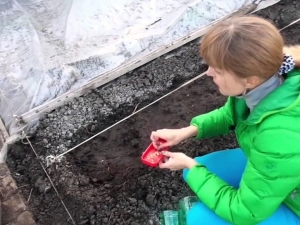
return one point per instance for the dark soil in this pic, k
(104, 181)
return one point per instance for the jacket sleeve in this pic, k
(214, 123)
(271, 174)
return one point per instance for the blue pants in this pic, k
(229, 165)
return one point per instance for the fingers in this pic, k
(154, 138)
(169, 164)
(168, 154)
(163, 145)
(166, 164)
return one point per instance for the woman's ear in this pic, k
(252, 82)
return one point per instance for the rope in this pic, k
(292, 23)
(28, 142)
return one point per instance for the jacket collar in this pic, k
(253, 97)
(284, 97)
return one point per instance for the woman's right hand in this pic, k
(172, 136)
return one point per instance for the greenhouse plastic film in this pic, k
(49, 47)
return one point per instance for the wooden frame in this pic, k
(3, 141)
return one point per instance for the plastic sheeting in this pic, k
(48, 47)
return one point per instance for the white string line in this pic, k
(50, 179)
(292, 23)
(188, 82)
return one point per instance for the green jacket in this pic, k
(270, 138)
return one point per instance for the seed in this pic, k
(153, 155)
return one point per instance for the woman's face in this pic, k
(228, 84)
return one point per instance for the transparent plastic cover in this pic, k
(49, 47)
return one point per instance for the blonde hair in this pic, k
(246, 46)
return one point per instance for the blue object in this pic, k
(229, 165)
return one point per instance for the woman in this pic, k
(259, 183)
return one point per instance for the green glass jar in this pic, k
(169, 217)
(185, 205)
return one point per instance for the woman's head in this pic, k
(242, 52)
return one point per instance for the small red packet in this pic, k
(151, 156)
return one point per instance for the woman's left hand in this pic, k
(176, 161)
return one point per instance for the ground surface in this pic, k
(13, 210)
(103, 181)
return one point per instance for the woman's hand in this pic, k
(172, 136)
(176, 161)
